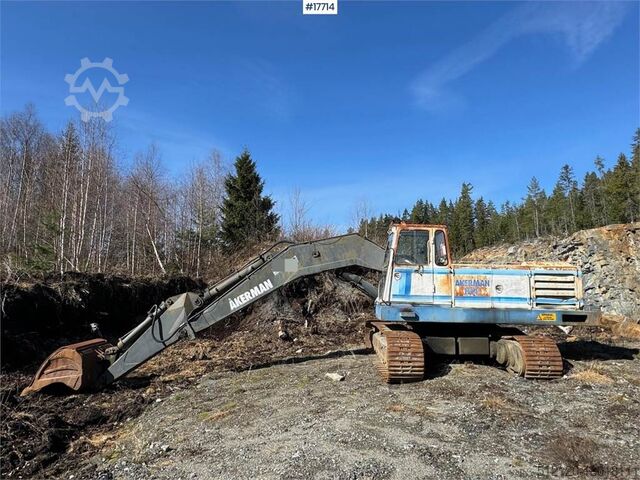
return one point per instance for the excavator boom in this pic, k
(96, 363)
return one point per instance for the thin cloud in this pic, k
(266, 88)
(582, 26)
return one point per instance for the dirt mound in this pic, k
(40, 315)
(308, 317)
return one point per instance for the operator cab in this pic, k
(417, 265)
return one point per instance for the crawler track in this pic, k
(531, 357)
(399, 352)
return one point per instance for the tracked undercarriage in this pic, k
(402, 350)
(399, 352)
(530, 356)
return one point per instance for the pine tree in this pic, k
(508, 228)
(493, 226)
(443, 213)
(533, 203)
(419, 213)
(462, 228)
(618, 191)
(592, 198)
(557, 207)
(569, 186)
(422, 212)
(599, 163)
(247, 215)
(481, 234)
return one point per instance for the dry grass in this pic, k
(593, 374)
(215, 415)
(495, 403)
(97, 440)
(419, 410)
(504, 407)
(396, 407)
(583, 454)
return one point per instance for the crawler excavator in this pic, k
(425, 306)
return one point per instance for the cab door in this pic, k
(412, 279)
(442, 271)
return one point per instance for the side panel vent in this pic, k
(554, 290)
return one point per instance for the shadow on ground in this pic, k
(592, 350)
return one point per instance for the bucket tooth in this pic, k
(76, 366)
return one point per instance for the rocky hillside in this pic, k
(608, 256)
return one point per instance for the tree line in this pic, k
(603, 196)
(67, 205)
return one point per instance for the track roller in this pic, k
(399, 352)
(530, 356)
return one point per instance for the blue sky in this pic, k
(387, 101)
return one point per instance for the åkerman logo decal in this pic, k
(235, 303)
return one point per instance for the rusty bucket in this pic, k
(77, 366)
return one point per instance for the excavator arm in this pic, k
(96, 363)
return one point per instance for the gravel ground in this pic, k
(465, 421)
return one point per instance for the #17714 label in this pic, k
(328, 7)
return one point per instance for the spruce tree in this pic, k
(463, 222)
(481, 234)
(418, 212)
(599, 163)
(618, 191)
(592, 197)
(247, 215)
(557, 209)
(569, 186)
(493, 226)
(533, 203)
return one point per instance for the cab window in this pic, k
(413, 248)
(442, 259)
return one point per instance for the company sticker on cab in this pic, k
(472, 286)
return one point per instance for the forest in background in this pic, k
(66, 204)
(602, 197)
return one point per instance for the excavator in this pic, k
(425, 307)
